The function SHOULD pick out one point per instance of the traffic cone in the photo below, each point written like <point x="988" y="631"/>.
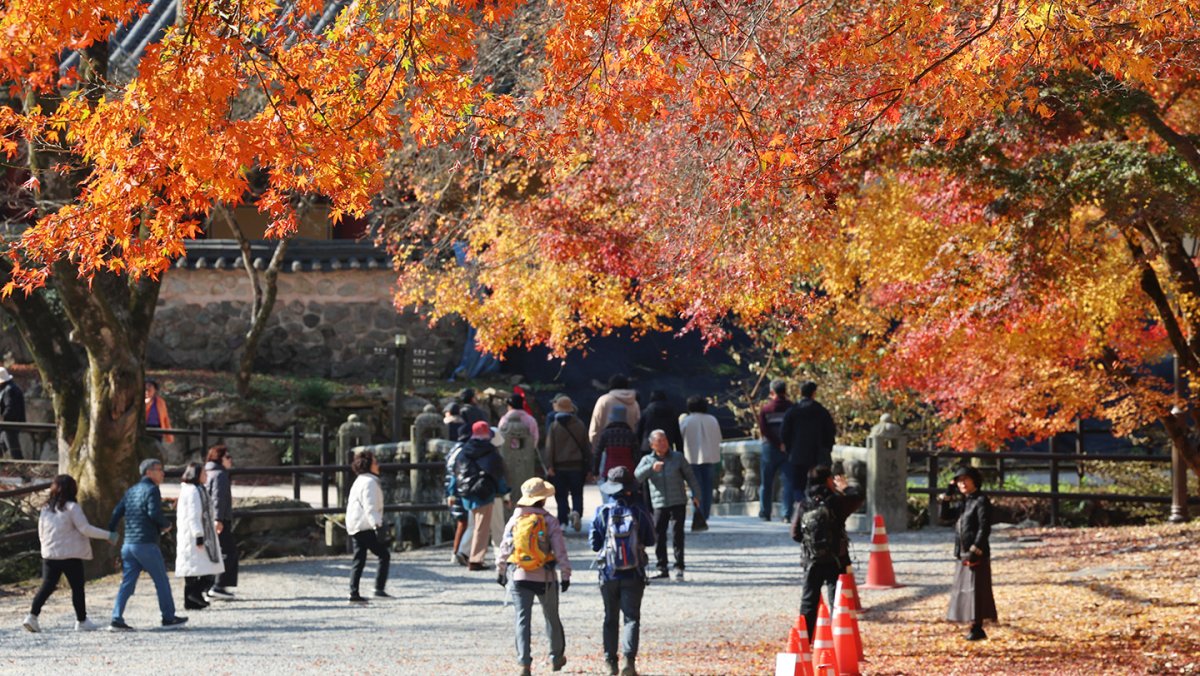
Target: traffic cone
<point x="824" y="658"/>
<point x="855" y="600"/>
<point x="797" y="661"/>
<point x="846" y="591"/>
<point x="846" y="641"/>
<point x="879" y="568"/>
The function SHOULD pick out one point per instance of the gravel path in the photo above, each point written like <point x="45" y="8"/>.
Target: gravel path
<point x="292" y="615"/>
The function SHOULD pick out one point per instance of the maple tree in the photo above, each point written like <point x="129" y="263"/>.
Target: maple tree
<point x="639" y="160"/>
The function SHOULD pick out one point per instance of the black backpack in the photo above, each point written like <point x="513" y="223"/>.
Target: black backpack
<point x="820" y="536"/>
<point x="470" y="481"/>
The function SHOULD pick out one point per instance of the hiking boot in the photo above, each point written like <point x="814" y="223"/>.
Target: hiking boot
<point x="976" y="634"/>
<point x="627" y="669"/>
<point x="174" y="622"/>
<point x="219" y="593"/>
<point x="662" y="574"/>
<point x="119" y="625"/>
<point x="358" y="600"/>
<point x="575" y="521"/>
<point x="558" y="663"/>
<point x="679" y="575"/>
<point x="31" y="623"/>
<point x="85" y="625"/>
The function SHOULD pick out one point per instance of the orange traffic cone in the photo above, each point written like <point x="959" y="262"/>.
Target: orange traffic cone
<point x="879" y="568"/>
<point x="847" y="597"/>
<point x="855" y="601"/>
<point x="846" y="641"/>
<point x="824" y="658"/>
<point x="797" y="661"/>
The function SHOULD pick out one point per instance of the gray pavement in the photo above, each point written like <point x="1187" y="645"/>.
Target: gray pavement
<point x="292" y="615"/>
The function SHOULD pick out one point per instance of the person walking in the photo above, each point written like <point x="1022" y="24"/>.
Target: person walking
<point x="819" y="525"/>
<point x="457" y="511"/>
<point x="659" y="414"/>
<point x="217" y="464"/>
<point x="532" y="556"/>
<point x="64" y="531"/>
<point x="808" y="434"/>
<point x="12" y="409"/>
<point x="669" y="476"/>
<point x="620" y="533"/>
<point x="519" y="447"/>
<point x="477" y="481"/>
<point x="568" y="459"/>
<point x="617" y="445"/>
<point x="141" y="508"/>
<point x="971" y="598"/>
<point x="702" y="448"/>
<point x="364" y="523"/>
<point x="197" y="550"/>
<point x="774" y="461"/>
<point x="516" y="413"/>
<point x="619" y="394"/>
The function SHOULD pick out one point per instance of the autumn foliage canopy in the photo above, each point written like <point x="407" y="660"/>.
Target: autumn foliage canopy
<point x="985" y="202"/>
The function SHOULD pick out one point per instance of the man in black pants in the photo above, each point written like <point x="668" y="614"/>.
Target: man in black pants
<point x="823" y="534"/>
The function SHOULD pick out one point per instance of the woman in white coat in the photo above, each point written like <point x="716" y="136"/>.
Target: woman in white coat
<point x="197" y="550"/>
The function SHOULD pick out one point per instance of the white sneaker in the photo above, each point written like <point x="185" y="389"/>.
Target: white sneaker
<point x="575" y="521"/>
<point x="217" y="593"/>
<point x="31" y="624"/>
<point x="679" y="575"/>
<point x="85" y="625"/>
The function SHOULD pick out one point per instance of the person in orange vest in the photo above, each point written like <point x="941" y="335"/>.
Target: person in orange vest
<point x="156" y="411"/>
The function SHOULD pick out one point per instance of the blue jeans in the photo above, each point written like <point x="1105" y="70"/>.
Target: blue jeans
<point x="705" y="473"/>
<point x="622" y="596"/>
<point x="522" y="596"/>
<point x="568" y="483"/>
<point x="134" y="559"/>
<point x="774" y="462"/>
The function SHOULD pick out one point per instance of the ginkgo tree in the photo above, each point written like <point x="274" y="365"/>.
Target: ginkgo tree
<point x="650" y="159"/>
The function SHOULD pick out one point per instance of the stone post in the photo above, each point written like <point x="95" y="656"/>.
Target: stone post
<point x="751" y="458"/>
<point x="350" y="434"/>
<point x="426" y="427"/>
<point x="731" y="480"/>
<point x="887" y="475"/>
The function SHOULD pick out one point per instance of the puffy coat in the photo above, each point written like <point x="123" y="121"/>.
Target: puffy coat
<point x="141" y="507"/>
<point x="364" y="506"/>
<point x="64" y="534"/>
<point x="219" y="491"/>
<point x="197" y="550"/>
<point x="668" y="486"/>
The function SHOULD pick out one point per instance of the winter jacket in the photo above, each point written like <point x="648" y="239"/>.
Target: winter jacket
<point x="364" y="507"/>
<point x="471" y="414"/>
<point x="770" y="424"/>
<point x="562" y="562"/>
<point x="842" y="504"/>
<point x="488" y="458"/>
<point x="974" y="525"/>
<point x="599" y="532"/>
<point x="668" y="486"/>
<point x="808" y="434"/>
<point x="141" y="507"/>
<point x="626" y="398"/>
<point x="526" y="419"/>
<point x="12" y="403"/>
<point x="567" y="445"/>
<point x="64" y="534"/>
<point x="197" y="550"/>
<point x="219" y="491"/>
<point x="701" y="438"/>
<point x="617" y="445"/>
<point x="660" y="415"/>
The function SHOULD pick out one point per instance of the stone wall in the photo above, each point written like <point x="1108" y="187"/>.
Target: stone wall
<point x="324" y="324"/>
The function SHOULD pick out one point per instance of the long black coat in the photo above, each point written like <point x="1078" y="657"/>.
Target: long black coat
<point x="660" y="415"/>
<point x="971" y="598"/>
<point x="808" y="434"/>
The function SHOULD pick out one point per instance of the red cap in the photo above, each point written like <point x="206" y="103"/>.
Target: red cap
<point x="481" y="429"/>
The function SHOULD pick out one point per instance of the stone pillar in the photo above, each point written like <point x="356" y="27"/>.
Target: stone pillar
<point x="887" y="475"/>
<point x="350" y="434"/>
<point x="427" y="427"/>
<point x="751" y="458"/>
<point x="730" y="489"/>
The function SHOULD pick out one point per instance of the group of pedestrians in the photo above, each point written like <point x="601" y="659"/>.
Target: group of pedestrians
<point x="205" y="554"/>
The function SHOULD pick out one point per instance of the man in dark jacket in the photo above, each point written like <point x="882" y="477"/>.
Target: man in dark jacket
<point x="12" y="409"/>
<point x="141" y="507"/>
<point x="807" y="434"/>
<point x="774" y="459"/>
<point x="471" y="413"/>
<point x="822" y="568"/>
<point x="659" y="415"/>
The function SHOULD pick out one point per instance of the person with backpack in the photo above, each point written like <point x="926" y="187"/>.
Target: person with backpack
<point x="669" y="476"/>
<point x="364" y="524"/>
<point x="568" y="459"/>
<point x="620" y="533"/>
<point x="519" y="447"/>
<point x="617" y="445"/>
<point x="457" y="511"/>
<point x="478" y="479"/>
<point x="819" y="525"/>
<point x="774" y="460"/>
<point x="532" y="556"/>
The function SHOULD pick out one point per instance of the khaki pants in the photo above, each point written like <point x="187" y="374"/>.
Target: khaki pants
<point x="481" y="532"/>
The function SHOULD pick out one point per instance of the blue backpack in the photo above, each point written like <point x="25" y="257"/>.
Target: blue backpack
<point x="622" y="551"/>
